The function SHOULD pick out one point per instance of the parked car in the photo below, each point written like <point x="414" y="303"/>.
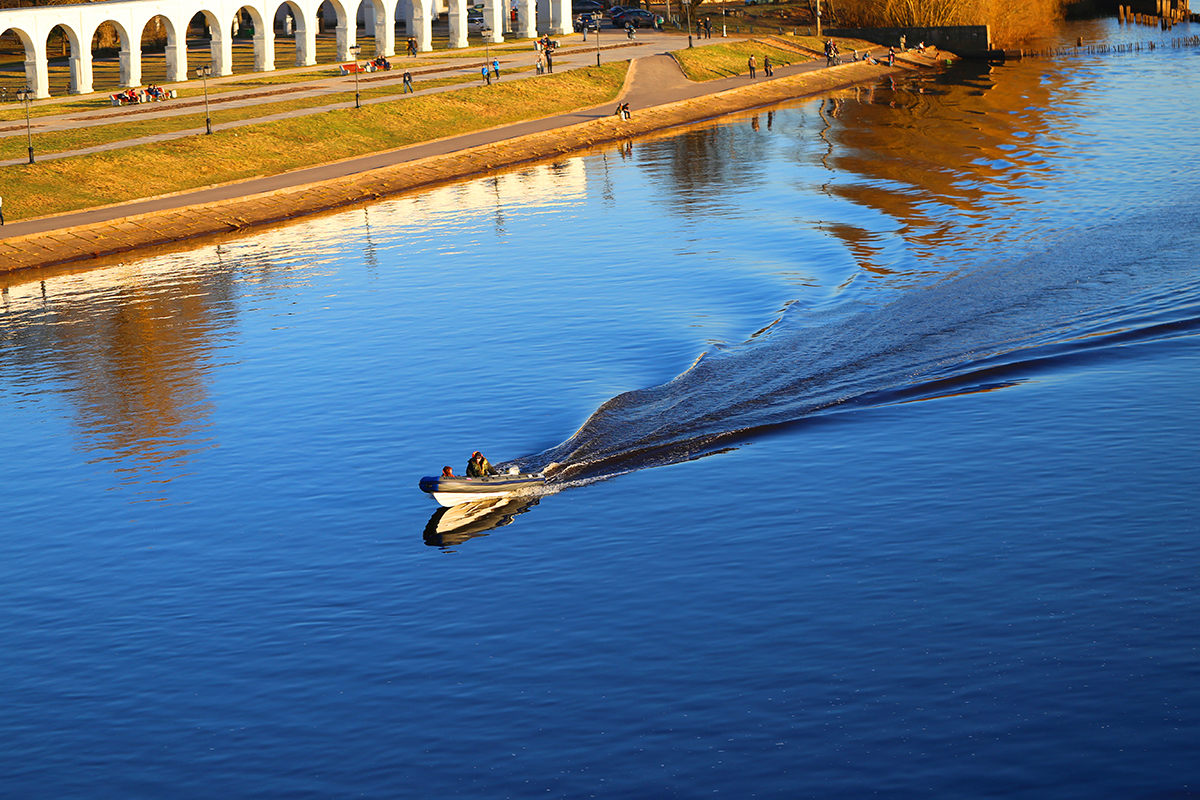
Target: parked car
<point x="587" y="7"/>
<point x="636" y="17"/>
<point x="615" y="10"/>
<point x="587" y="22"/>
<point x="475" y="23"/>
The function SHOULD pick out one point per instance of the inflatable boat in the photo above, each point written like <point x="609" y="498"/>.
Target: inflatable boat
<point x="456" y="490"/>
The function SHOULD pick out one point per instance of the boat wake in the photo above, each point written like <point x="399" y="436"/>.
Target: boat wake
<point x="1090" y="296"/>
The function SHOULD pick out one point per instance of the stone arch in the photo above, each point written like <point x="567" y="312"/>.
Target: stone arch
<point x="495" y="20"/>
<point x="79" y="62"/>
<point x="160" y="33"/>
<point x="457" y="14"/>
<point x="262" y="36"/>
<point x="130" y="56"/>
<point x="422" y="29"/>
<point x="377" y="25"/>
<point x="402" y="13"/>
<point x="305" y="32"/>
<point x="346" y="34"/>
<point x="300" y="25"/>
<point x="32" y="62"/>
<point x="220" y="46"/>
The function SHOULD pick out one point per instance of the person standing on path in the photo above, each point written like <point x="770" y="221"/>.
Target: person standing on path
<point x="412" y="47"/>
<point x="408" y="87"/>
<point x="1" y="210"/>
<point x="708" y="27"/>
<point x="487" y="76"/>
<point x="496" y="68"/>
<point x="768" y="69"/>
<point x="549" y="62"/>
<point x="750" y="62"/>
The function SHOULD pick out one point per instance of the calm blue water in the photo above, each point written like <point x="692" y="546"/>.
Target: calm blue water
<point x="878" y="417"/>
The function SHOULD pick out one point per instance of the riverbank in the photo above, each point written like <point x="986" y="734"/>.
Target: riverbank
<point x="215" y="211"/>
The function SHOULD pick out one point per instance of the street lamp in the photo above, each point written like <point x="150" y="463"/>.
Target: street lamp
<point x="485" y="32"/>
<point x="354" y="51"/>
<point x="25" y="95"/>
<point x="598" y="43"/>
<point x="203" y="73"/>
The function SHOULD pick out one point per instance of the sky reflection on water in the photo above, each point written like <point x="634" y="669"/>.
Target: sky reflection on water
<point x="977" y="577"/>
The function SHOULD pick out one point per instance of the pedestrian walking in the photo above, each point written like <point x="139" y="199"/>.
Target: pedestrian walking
<point x="549" y="62"/>
<point x="891" y="56"/>
<point x="496" y="68"/>
<point x="768" y="68"/>
<point x="750" y="62"/>
<point x="487" y="75"/>
<point x="408" y="83"/>
<point x="412" y="47"/>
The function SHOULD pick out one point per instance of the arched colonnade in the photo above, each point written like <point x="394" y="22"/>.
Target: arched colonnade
<point x="130" y="17"/>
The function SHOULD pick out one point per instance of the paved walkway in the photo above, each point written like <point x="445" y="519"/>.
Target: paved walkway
<point x="575" y="54"/>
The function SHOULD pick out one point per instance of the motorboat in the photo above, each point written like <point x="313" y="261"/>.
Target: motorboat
<point x="451" y="491"/>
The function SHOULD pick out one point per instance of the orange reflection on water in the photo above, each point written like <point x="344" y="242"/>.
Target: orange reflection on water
<point x="133" y="346"/>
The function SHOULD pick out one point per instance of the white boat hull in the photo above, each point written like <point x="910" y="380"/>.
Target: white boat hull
<point x="456" y="491"/>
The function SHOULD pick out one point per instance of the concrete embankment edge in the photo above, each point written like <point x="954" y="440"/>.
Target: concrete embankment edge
<point x="101" y="241"/>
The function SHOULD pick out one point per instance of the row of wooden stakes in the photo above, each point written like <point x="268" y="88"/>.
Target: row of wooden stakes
<point x="1165" y="18"/>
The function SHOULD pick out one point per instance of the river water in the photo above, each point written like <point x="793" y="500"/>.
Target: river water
<point x="877" y="417"/>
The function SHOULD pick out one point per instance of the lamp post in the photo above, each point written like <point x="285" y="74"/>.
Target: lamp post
<point x="597" y="43"/>
<point x="203" y="73"/>
<point x="688" y="4"/>
<point x="25" y="95"/>
<point x="485" y="32"/>
<point x="354" y="51"/>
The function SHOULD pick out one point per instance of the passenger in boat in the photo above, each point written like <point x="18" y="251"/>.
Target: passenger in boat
<point x="478" y="466"/>
<point x="447" y="472"/>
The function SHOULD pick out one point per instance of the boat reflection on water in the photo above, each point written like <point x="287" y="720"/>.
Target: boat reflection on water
<point x="460" y="523"/>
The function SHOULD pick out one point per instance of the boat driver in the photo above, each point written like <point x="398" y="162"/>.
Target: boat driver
<point x="478" y="466"/>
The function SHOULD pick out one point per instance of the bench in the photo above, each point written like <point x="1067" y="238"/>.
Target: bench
<point x="142" y="97"/>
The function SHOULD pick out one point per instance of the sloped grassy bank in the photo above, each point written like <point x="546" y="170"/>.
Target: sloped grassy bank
<point x="72" y="184"/>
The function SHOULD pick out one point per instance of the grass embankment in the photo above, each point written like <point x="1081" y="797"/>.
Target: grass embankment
<point x="81" y="138"/>
<point x="727" y="59"/>
<point x="71" y="184"/>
